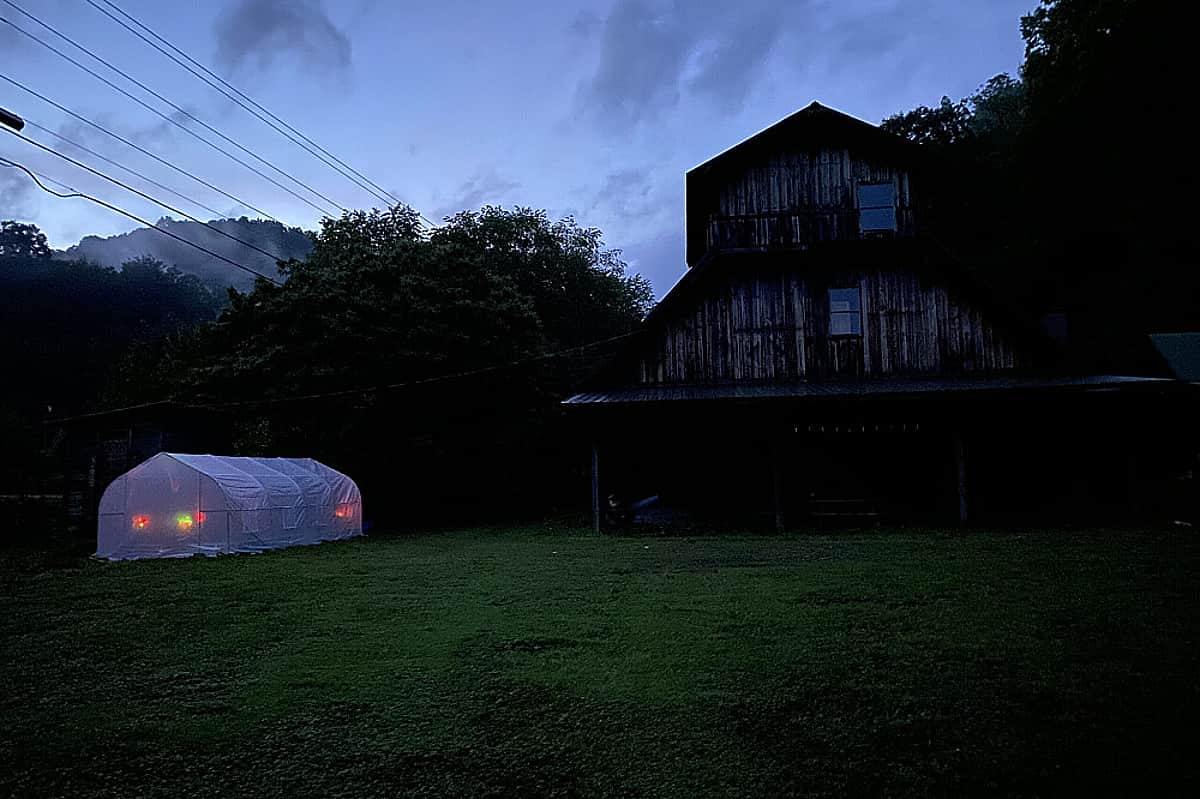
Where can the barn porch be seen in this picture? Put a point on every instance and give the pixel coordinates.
(1011, 449)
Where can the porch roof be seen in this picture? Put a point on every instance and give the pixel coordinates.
(896, 387)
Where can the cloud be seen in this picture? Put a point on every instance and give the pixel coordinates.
(486, 187)
(16, 192)
(159, 133)
(262, 31)
(586, 24)
(653, 52)
(660, 259)
(629, 194)
(725, 69)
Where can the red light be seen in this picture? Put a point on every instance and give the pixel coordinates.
(141, 522)
(200, 516)
(340, 512)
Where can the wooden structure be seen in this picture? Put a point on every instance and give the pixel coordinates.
(93, 449)
(824, 357)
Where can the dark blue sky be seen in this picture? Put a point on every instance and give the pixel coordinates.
(594, 108)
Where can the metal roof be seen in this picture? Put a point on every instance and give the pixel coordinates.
(1181, 351)
(857, 388)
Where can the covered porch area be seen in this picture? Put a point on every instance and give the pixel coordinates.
(987, 450)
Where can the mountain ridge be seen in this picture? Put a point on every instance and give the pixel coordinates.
(274, 237)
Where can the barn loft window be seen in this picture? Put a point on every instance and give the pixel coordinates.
(876, 207)
(845, 312)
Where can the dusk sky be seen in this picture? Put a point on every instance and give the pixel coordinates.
(589, 108)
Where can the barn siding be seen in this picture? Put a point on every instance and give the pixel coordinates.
(794, 198)
(775, 326)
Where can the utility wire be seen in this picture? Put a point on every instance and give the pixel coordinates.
(134, 172)
(137, 147)
(159, 97)
(578, 349)
(367, 186)
(165, 117)
(193, 65)
(143, 195)
(75, 193)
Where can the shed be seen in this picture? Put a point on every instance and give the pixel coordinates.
(92, 449)
(175, 505)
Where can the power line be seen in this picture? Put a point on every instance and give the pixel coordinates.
(338, 164)
(134, 172)
(578, 349)
(143, 195)
(75, 193)
(165, 117)
(137, 147)
(179, 110)
(367, 186)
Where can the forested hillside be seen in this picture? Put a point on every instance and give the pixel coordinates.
(285, 242)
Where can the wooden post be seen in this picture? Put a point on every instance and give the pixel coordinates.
(776, 488)
(595, 488)
(960, 472)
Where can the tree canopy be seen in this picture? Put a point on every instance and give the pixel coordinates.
(64, 324)
(471, 318)
(1050, 186)
(21, 240)
(379, 300)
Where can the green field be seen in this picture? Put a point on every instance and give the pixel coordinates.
(552, 663)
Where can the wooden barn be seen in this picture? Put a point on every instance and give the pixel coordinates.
(823, 358)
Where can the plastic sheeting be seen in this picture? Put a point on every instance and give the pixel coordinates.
(176, 505)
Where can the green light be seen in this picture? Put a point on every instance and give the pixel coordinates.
(184, 521)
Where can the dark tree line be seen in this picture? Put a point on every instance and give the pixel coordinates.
(480, 325)
(63, 324)
(1072, 187)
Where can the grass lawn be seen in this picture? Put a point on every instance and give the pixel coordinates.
(538, 662)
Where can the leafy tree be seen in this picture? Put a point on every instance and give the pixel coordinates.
(461, 316)
(944, 126)
(62, 326)
(21, 240)
(579, 290)
(997, 109)
(1052, 189)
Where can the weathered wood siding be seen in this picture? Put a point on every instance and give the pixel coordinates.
(775, 326)
(795, 198)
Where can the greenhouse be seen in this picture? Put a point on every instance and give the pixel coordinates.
(175, 505)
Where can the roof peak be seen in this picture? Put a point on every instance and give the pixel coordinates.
(813, 111)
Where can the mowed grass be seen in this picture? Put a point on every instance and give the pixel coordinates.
(552, 663)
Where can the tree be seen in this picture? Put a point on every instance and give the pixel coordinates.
(465, 322)
(63, 326)
(18, 239)
(579, 290)
(942, 127)
(1050, 188)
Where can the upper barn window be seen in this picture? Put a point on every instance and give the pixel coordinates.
(845, 312)
(876, 207)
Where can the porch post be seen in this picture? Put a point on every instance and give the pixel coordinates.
(595, 487)
(960, 472)
(776, 487)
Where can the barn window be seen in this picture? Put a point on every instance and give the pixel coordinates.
(876, 207)
(845, 312)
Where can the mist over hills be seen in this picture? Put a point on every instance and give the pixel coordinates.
(274, 237)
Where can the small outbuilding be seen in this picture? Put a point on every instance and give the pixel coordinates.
(175, 505)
